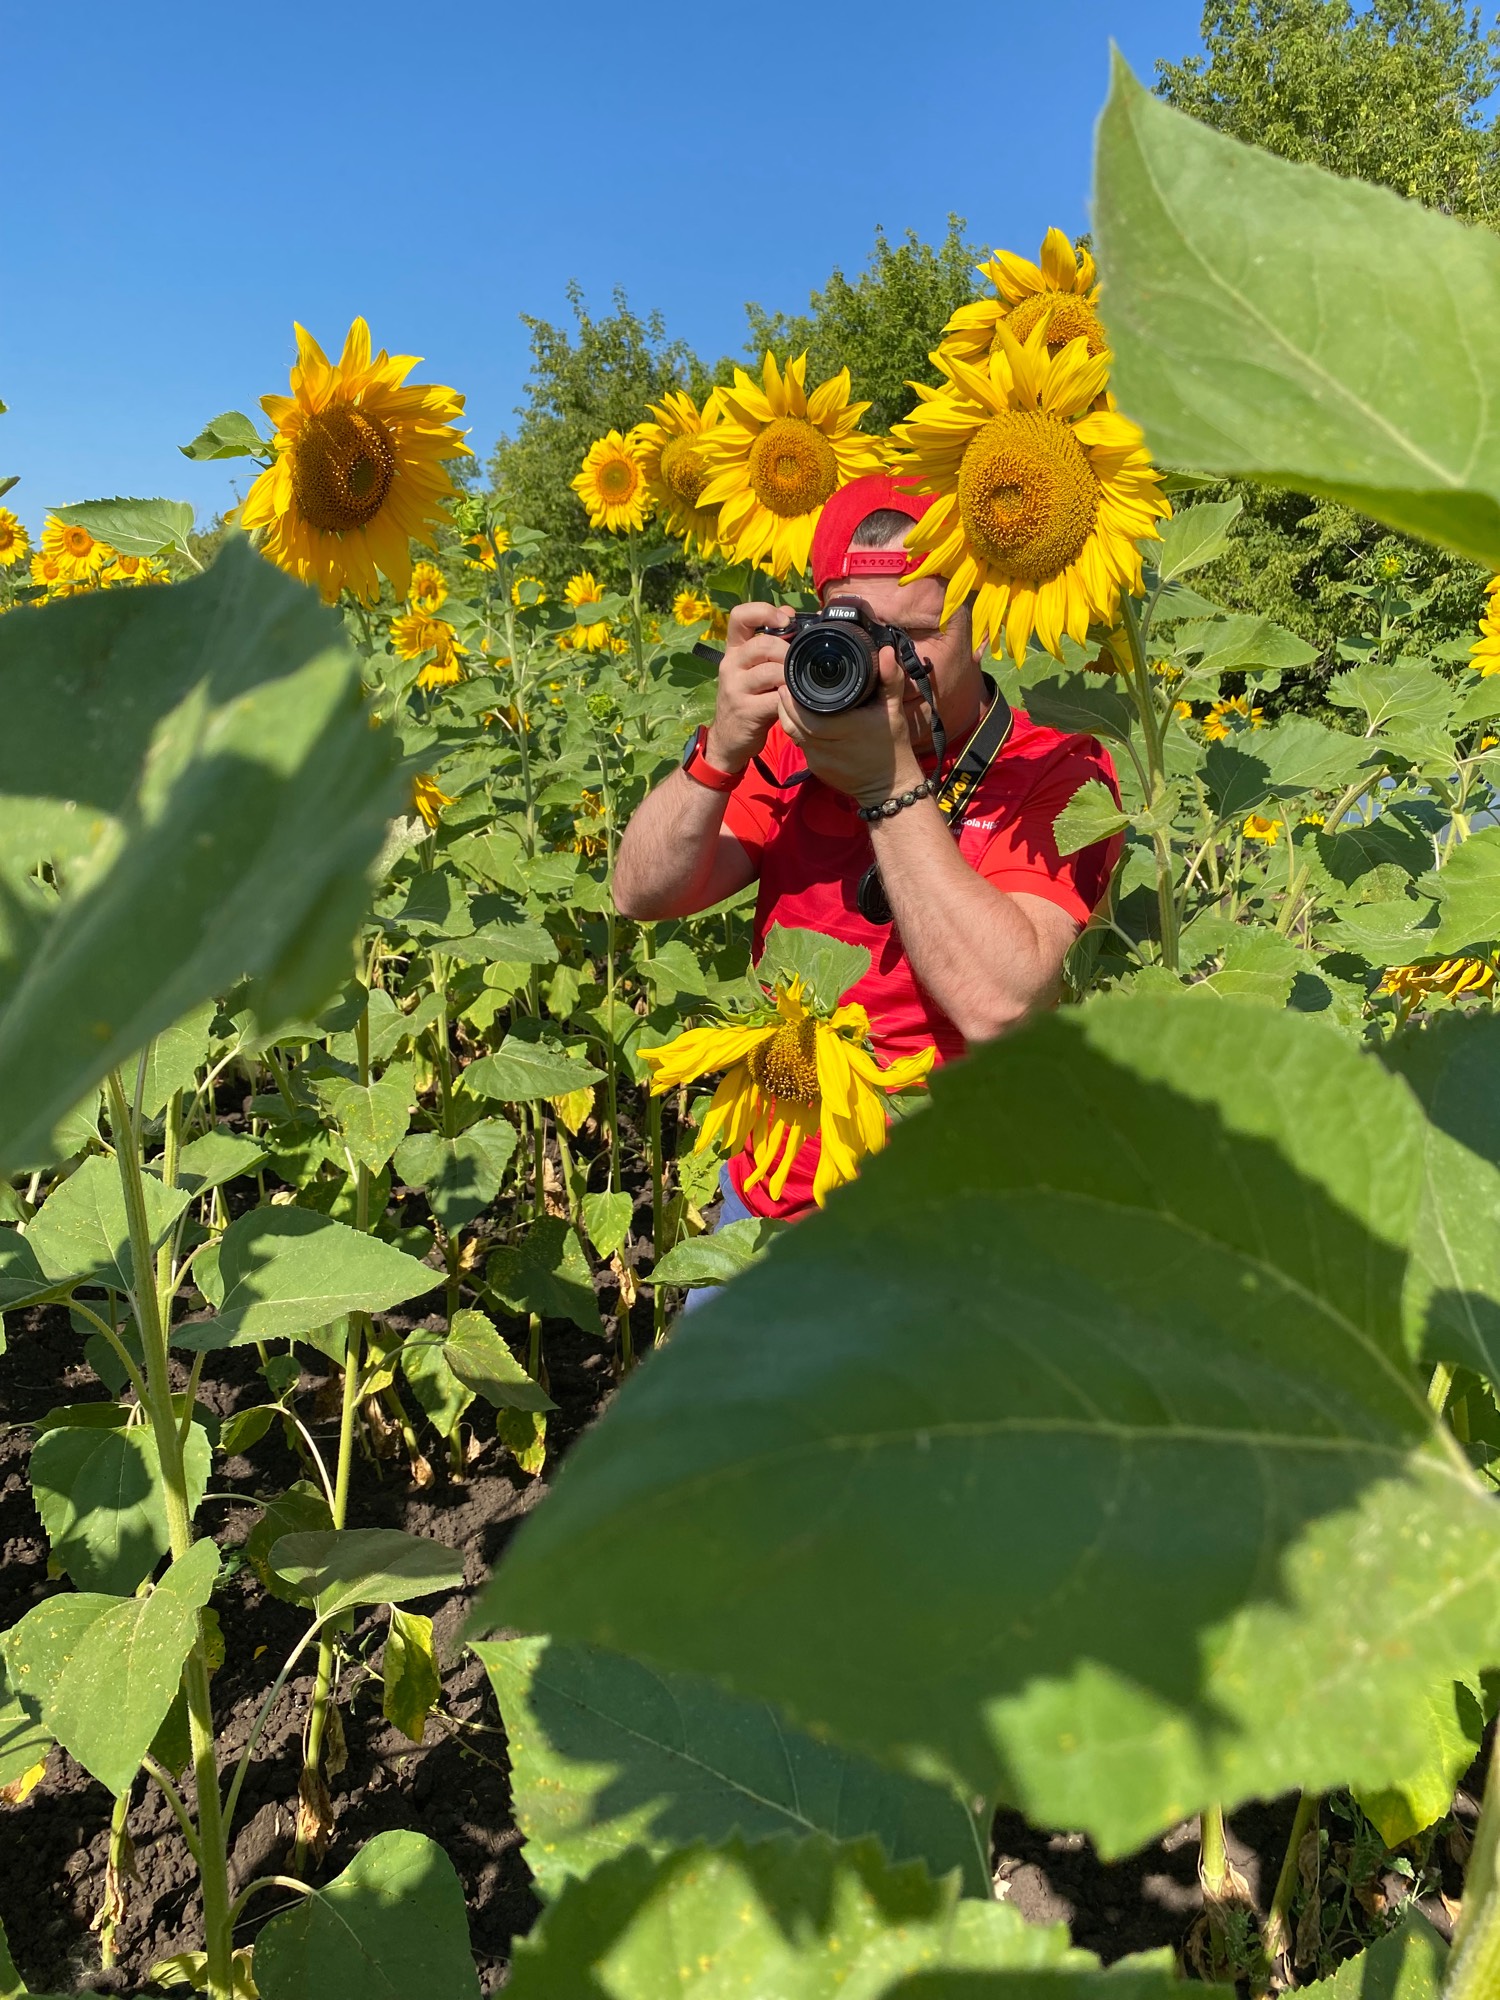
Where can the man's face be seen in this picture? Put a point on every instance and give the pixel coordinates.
(947, 649)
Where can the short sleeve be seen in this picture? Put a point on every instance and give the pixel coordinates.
(1023, 854)
(756, 803)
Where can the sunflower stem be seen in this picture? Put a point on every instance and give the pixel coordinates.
(658, 1247)
(1151, 732)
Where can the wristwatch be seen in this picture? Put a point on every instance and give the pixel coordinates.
(698, 768)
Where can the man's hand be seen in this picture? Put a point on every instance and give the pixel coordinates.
(865, 752)
(750, 678)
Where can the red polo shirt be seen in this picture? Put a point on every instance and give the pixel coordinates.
(811, 847)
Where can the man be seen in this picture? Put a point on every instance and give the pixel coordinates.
(980, 924)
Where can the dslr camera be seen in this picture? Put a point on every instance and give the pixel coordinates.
(832, 662)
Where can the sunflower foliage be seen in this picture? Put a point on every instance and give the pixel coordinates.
(320, 1038)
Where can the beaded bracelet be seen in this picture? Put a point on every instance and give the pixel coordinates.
(891, 807)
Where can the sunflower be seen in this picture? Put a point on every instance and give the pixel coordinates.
(791, 1071)
(775, 458)
(1225, 717)
(359, 471)
(135, 570)
(1059, 291)
(1453, 976)
(676, 466)
(1258, 827)
(612, 485)
(52, 574)
(428, 589)
(15, 543)
(479, 551)
(584, 588)
(428, 798)
(416, 632)
(527, 592)
(1484, 654)
(1042, 498)
(80, 558)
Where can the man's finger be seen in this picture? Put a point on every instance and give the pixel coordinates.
(746, 620)
(764, 677)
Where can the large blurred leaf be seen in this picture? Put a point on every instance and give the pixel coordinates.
(606, 1753)
(803, 1918)
(1240, 357)
(102, 1500)
(1456, 1720)
(1406, 1964)
(393, 1925)
(103, 1670)
(81, 1230)
(1159, 1335)
(286, 1271)
(196, 763)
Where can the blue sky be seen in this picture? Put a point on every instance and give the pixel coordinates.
(188, 180)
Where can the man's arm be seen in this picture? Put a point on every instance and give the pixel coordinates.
(675, 857)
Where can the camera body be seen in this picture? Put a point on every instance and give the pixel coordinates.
(832, 662)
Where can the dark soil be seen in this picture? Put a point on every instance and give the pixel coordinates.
(453, 1786)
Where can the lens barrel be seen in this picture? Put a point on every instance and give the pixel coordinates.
(831, 668)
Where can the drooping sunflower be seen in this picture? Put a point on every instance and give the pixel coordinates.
(1059, 291)
(612, 484)
(1256, 826)
(359, 472)
(479, 550)
(792, 1071)
(428, 797)
(677, 468)
(1042, 498)
(417, 632)
(15, 543)
(584, 588)
(429, 588)
(79, 556)
(1451, 976)
(1225, 718)
(527, 592)
(775, 458)
(1484, 654)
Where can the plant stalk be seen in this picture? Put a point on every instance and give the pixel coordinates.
(1277, 1934)
(1474, 1964)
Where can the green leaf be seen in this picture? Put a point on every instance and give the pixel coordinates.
(1082, 703)
(24, 1743)
(607, 1218)
(409, 1673)
(460, 1176)
(206, 744)
(826, 966)
(1091, 814)
(134, 527)
(102, 1500)
(483, 1362)
(286, 1271)
(442, 1397)
(369, 1120)
(1395, 691)
(1408, 1963)
(393, 1924)
(22, 1279)
(673, 969)
(1175, 1312)
(1467, 888)
(519, 1072)
(1240, 362)
(547, 1273)
(717, 1256)
(232, 435)
(1195, 536)
(1237, 777)
(104, 1670)
(302, 1510)
(216, 1157)
(347, 1566)
(1257, 965)
(1456, 1722)
(606, 1753)
(1240, 643)
(514, 943)
(172, 1060)
(80, 1231)
(805, 1918)
(1303, 756)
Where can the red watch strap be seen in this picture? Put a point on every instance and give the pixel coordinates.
(699, 769)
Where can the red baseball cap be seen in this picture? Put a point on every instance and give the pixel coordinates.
(832, 557)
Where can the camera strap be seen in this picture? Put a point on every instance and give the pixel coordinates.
(955, 795)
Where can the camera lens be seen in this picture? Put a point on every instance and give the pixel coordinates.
(830, 669)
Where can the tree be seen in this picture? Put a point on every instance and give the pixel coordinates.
(882, 326)
(1393, 94)
(584, 381)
